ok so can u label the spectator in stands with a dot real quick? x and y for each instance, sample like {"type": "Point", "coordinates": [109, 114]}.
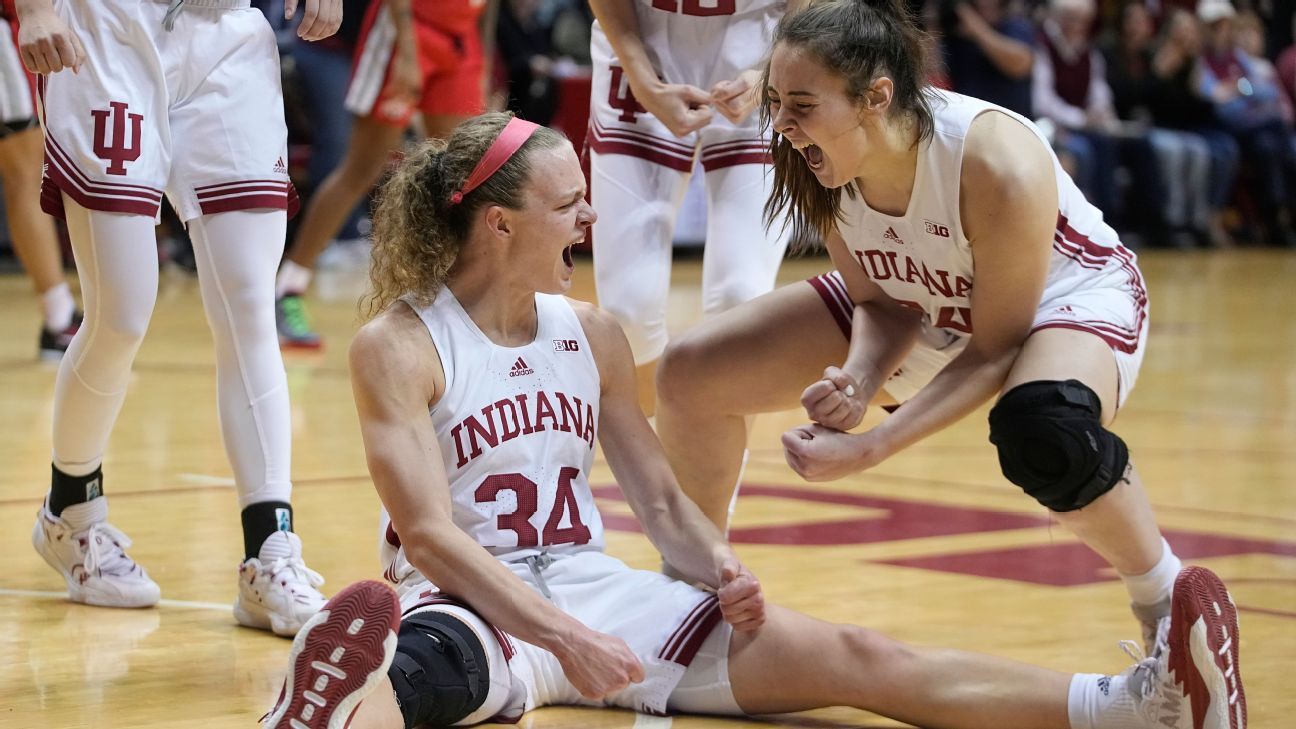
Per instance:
{"type": "Point", "coordinates": [1164, 103]}
{"type": "Point", "coordinates": [1248, 103]}
{"type": "Point", "coordinates": [989, 51]}
{"type": "Point", "coordinates": [524, 37]}
{"type": "Point", "coordinates": [1070, 90]}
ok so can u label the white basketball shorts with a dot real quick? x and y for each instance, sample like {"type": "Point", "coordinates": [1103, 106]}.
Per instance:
{"type": "Point", "coordinates": [675, 629]}
{"type": "Point", "coordinates": [195, 112]}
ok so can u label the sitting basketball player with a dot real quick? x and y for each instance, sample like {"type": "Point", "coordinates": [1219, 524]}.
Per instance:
{"type": "Point", "coordinates": [481, 391]}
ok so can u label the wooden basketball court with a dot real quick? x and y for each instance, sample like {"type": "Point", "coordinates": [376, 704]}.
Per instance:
{"type": "Point", "coordinates": [933, 546]}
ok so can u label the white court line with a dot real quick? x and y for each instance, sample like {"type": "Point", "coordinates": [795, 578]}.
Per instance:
{"type": "Point", "coordinates": [178, 604]}
{"type": "Point", "coordinates": [202, 479]}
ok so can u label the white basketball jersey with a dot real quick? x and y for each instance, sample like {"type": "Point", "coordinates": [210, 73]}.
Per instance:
{"type": "Point", "coordinates": [700, 42]}
{"type": "Point", "coordinates": [516, 427]}
{"type": "Point", "coordinates": [923, 260]}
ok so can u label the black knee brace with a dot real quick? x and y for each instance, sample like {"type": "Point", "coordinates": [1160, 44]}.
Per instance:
{"type": "Point", "coordinates": [1052, 443]}
{"type": "Point", "coordinates": [439, 674]}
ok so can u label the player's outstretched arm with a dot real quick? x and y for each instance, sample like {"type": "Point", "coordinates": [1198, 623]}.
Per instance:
{"type": "Point", "coordinates": [673, 523]}
{"type": "Point", "coordinates": [395, 375]}
{"type": "Point", "coordinates": [681, 107]}
{"type": "Point", "coordinates": [45, 43]}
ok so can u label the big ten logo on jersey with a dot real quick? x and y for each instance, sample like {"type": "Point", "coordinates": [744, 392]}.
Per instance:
{"type": "Point", "coordinates": [697, 8]}
{"type": "Point", "coordinates": [114, 146]}
{"type": "Point", "coordinates": [936, 229]}
{"type": "Point", "coordinates": [566, 345]}
{"type": "Point", "coordinates": [621, 98]}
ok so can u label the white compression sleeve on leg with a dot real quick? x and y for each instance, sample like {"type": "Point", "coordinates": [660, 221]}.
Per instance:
{"type": "Point", "coordinates": [742, 255]}
{"type": "Point", "coordinates": [636, 202]}
{"type": "Point", "coordinates": [238, 253]}
{"type": "Point", "coordinates": [116, 257]}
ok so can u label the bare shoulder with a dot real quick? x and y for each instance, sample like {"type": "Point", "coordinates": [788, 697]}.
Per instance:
{"type": "Point", "coordinates": [1001, 150]}
{"type": "Point", "coordinates": [601, 328]}
{"type": "Point", "coordinates": [1008, 182]}
{"type": "Point", "coordinates": [395, 347]}
{"type": "Point", "coordinates": [608, 343]}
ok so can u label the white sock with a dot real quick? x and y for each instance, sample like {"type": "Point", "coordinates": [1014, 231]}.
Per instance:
{"type": "Point", "coordinates": [293, 279]}
{"type": "Point", "coordinates": [1156, 585]}
{"type": "Point", "coordinates": [58, 305]}
{"type": "Point", "coordinates": [1096, 701]}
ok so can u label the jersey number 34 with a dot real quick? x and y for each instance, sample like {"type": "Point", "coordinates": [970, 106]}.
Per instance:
{"type": "Point", "coordinates": [519, 521]}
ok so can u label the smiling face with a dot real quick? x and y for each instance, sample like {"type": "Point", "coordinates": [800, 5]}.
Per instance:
{"type": "Point", "coordinates": [810, 107]}
{"type": "Point", "coordinates": [555, 217]}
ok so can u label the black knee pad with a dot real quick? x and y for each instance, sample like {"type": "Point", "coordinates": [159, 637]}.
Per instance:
{"type": "Point", "coordinates": [1052, 443]}
{"type": "Point", "coordinates": [439, 674]}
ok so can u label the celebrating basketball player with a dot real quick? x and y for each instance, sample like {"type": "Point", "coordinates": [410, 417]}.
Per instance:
{"type": "Point", "coordinates": [940, 212]}
{"type": "Point", "coordinates": [481, 392]}
{"type": "Point", "coordinates": [142, 98]}
{"type": "Point", "coordinates": [662, 71]}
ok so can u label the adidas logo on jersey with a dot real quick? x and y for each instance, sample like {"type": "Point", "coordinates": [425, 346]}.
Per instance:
{"type": "Point", "coordinates": [520, 368]}
{"type": "Point", "coordinates": [890, 234]}
{"type": "Point", "coordinates": [280, 168]}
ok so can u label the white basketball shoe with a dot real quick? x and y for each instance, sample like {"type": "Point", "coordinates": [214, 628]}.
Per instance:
{"type": "Point", "coordinates": [1195, 683]}
{"type": "Point", "coordinates": [91, 555]}
{"type": "Point", "coordinates": [339, 657]}
{"type": "Point", "coordinates": [277, 591]}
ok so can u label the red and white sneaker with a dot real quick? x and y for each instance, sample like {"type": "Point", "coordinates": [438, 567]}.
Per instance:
{"type": "Point", "coordinates": [1194, 682]}
{"type": "Point", "coordinates": [338, 658]}
{"type": "Point", "coordinates": [1203, 650]}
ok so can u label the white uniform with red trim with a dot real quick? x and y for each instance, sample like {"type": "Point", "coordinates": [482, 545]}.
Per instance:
{"type": "Point", "coordinates": [639, 170]}
{"type": "Point", "coordinates": [698, 42]}
{"type": "Point", "coordinates": [517, 427]}
{"type": "Point", "coordinates": [924, 260]}
{"type": "Point", "coordinates": [195, 112]}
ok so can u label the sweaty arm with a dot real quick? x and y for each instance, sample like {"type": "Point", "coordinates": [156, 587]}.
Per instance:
{"type": "Point", "coordinates": [673, 523]}
{"type": "Point", "coordinates": [1009, 208]}
{"type": "Point", "coordinates": [680, 107]}
{"type": "Point", "coordinates": [882, 331]}
{"type": "Point", "coordinates": [687, 540]}
{"type": "Point", "coordinates": [396, 374]}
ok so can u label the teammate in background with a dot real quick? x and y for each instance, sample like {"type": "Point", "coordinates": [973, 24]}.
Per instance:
{"type": "Point", "coordinates": [914, 189]}
{"type": "Point", "coordinates": [481, 391]}
{"type": "Point", "coordinates": [142, 98]}
{"type": "Point", "coordinates": [662, 69]}
{"type": "Point", "coordinates": [414, 56]}
{"type": "Point", "coordinates": [33, 236]}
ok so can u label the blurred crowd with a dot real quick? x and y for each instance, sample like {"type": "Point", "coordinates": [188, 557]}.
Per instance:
{"type": "Point", "coordinates": [1174, 116]}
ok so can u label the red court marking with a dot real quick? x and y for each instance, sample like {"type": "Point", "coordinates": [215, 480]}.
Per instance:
{"type": "Point", "coordinates": [900, 520]}
{"type": "Point", "coordinates": [1072, 563]}
{"type": "Point", "coordinates": [1062, 564]}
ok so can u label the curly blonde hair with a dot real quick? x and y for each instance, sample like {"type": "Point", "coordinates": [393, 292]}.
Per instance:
{"type": "Point", "coordinates": [417, 231]}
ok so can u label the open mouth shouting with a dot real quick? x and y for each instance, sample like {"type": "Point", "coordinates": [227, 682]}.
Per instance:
{"type": "Point", "coordinates": [813, 155]}
{"type": "Point", "coordinates": [567, 256]}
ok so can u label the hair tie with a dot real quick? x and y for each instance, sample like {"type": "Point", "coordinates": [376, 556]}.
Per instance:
{"type": "Point", "coordinates": [509, 141]}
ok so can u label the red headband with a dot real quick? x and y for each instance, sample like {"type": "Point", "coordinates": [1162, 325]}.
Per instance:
{"type": "Point", "coordinates": [515, 134]}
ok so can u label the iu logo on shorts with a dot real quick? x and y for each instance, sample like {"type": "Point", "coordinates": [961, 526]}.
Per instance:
{"type": "Point", "coordinates": [114, 147]}
{"type": "Point", "coordinates": [621, 98]}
